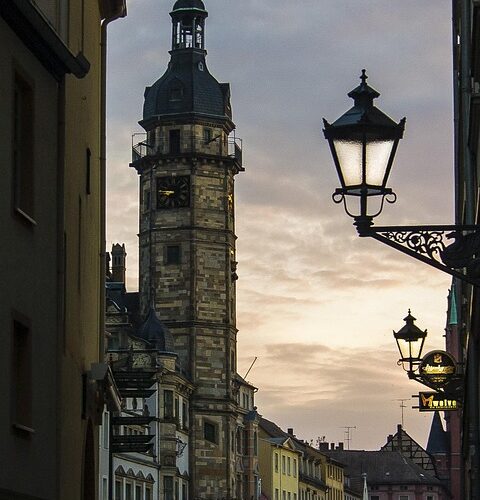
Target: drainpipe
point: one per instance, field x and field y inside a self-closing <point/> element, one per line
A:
<point x="118" y="10"/>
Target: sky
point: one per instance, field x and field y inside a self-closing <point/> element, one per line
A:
<point x="316" y="304"/>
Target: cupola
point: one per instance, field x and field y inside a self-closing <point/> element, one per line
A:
<point x="188" y="18"/>
<point x="187" y="88"/>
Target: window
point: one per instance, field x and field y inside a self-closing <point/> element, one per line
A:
<point x="22" y="374"/>
<point x="176" y="92"/>
<point x="184" y="492"/>
<point x="245" y="442"/>
<point x="276" y="462"/>
<point x="289" y="496"/>
<point x="284" y="495"/>
<point x="289" y="472"/>
<point x="283" y="465"/>
<point x="207" y="135"/>
<point x="23" y="145"/>
<point x="104" y="488"/>
<point x="118" y="489"/>
<point x="128" y="491"/>
<point x="148" y="493"/>
<point x="430" y="497"/>
<point x="374" y="497"/>
<point x="403" y="497"/>
<point x="138" y="492"/>
<point x="176" y="491"/>
<point x="168" y="405"/>
<point x="184" y="414"/>
<point x="210" y="432"/>
<point x="295" y="467"/>
<point x="177" y="409"/>
<point x="168" y="488"/>
<point x="255" y="444"/>
<point x="174" y="140"/>
<point x="172" y="255"/>
<point x="276" y="494"/>
<point x="105" y="429"/>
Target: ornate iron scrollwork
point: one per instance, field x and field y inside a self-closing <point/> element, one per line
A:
<point x="430" y="244"/>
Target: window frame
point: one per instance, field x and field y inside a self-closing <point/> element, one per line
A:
<point x="23" y="157"/>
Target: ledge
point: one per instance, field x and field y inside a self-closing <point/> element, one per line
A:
<point x="42" y="40"/>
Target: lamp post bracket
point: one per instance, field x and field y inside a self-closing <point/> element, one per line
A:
<point x="453" y="249"/>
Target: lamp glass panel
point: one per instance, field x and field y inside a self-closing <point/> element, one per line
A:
<point x="349" y="155"/>
<point x="378" y="154"/>
<point x="409" y="350"/>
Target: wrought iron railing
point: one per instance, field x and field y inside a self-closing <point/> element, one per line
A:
<point x="230" y="148"/>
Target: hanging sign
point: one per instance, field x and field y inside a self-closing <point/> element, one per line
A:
<point x="434" y="401"/>
<point x="437" y="368"/>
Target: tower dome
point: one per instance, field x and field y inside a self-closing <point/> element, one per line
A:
<point x="189" y="4"/>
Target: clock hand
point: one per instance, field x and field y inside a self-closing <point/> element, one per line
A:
<point x="166" y="192"/>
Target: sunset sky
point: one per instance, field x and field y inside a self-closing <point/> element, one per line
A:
<point x="315" y="303"/>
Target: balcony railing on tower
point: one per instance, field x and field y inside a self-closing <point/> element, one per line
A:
<point x="225" y="148"/>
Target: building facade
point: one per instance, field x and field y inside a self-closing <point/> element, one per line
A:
<point x="390" y="475"/>
<point x="305" y="472"/>
<point x="52" y="141"/>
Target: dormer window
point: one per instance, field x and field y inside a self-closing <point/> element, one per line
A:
<point x="176" y="93"/>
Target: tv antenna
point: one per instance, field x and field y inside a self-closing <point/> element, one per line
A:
<point x="347" y="433"/>
<point x="402" y="406"/>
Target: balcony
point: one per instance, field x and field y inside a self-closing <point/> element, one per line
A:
<point x="231" y="149"/>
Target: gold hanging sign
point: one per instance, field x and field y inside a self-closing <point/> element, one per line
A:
<point x="437" y="369"/>
<point x="435" y="401"/>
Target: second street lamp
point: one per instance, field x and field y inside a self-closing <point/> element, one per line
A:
<point x="410" y="340"/>
<point x="363" y="143"/>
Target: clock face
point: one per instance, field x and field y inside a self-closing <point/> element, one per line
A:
<point x="173" y="192"/>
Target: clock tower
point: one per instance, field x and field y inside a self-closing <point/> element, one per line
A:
<point x="187" y="165"/>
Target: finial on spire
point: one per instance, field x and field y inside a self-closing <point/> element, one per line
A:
<point x="364" y="76"/>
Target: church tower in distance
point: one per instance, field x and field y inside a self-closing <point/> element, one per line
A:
<point x="187" y="166"/>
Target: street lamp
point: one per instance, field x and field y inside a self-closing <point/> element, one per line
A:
<point x="363" y="143"/>
<point x="410" y="340"/>
<point x="437" y="369"/>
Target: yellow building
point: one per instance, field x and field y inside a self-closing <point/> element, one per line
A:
<point x="332" y="471"/>
<point x="278" y="463"/>
<point x="52" y="198"/>
<point x="311" y="484"/>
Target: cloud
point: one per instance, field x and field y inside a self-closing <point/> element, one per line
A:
<point x="312" y="297"/>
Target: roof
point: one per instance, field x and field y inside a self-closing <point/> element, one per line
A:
<point x="382" y="467"/>
<point x="437" y="440"/>
<point x="187" y="87"/>
<point x="189" y="4"/>
<point x="156" y="333"/>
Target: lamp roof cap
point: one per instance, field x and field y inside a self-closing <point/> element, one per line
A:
<point x="410" y="331"/>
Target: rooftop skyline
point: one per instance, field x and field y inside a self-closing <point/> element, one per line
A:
<point x="315" y="303"/>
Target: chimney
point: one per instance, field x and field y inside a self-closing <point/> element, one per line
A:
<point x="389" y="438"/>
<point x="118" y="258"/>
<point x="290" y="431"/>
<point x="340" y="446"/>
<point x="323" y="446"/>
<point x="332" y="446"/>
